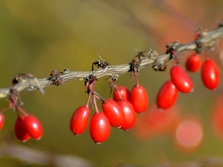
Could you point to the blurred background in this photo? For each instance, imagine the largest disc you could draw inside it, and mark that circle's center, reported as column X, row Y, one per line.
column 39, row 36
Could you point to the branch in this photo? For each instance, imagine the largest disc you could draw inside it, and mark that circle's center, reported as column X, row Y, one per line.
column 33, row 156
column 206, row 41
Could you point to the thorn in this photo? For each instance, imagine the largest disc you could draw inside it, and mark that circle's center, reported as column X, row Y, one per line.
column 136, row 50
column 38, row 85
column 99, row 56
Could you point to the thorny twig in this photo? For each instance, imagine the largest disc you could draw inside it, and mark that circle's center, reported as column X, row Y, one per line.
column 208, row 40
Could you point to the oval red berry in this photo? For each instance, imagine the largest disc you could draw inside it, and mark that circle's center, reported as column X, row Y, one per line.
column 121, row 93
column 167, row 95
column 194, row 62
column 113, row 112
column 209, row 74
column 79, row 120
column 33, row 127
column 181, row 80
column 99, row 127
column 139, row 98
column 129, row 114
column 2, row 118
column 20, row 129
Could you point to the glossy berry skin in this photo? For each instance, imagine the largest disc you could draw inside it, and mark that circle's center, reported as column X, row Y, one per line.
column 194, row 62
column 121, row 93
column 99, row 127
column 33, row 127
column 181, row 80
column 129, row 114
column 2, row 118
column 113, row 112
column 139, row 98
column 20, row 129
column 79, row 120
column 209, row 74
column 167, row 95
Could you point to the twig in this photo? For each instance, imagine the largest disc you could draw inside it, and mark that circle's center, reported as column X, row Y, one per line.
column 33, row 156
column 207, row 41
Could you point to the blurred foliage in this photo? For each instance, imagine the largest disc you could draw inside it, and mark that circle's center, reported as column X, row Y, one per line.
column 39, row 36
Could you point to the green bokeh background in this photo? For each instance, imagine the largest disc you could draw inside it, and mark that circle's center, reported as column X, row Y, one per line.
column 39, row 36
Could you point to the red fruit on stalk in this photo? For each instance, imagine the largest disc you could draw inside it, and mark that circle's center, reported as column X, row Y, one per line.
column 79, row 120
column 20, row 129
column 33, row 127
column 139, row 98
column 181, row 80
column 129, row 114
column 121, row 93
column 194, row 62
column 99, row 127
column 209, row 74
column 167, row 95
column 113, row 112
column 2, row 118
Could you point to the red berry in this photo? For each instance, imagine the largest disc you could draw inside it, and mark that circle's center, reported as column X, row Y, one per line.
column 181, row 80
column 79, row 120
column 99, row 127
column 129, row 114
column 194, row 62
column 209, row 74
column 167, row 95
column 139, row 98
column 2, row 118
column 121, row 93
column 113, row 112
column 33, row 127
column 20, row 129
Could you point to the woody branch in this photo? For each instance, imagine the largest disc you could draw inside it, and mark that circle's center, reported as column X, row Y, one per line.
column 206, row 40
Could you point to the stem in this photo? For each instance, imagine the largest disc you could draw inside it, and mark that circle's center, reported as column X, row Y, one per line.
column 112, row 84
column 210, row 37
column 137, row 79
column 99, row 96
column 95, row 104
column 6, row 108
column 22, row 110
column 88, row 100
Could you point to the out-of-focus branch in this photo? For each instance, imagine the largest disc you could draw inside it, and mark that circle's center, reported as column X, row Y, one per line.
column 34, row 156
column 206, row 41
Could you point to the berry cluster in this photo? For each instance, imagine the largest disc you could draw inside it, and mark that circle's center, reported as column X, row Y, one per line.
column 119, row 112
column 180, row 80
column 26, row 126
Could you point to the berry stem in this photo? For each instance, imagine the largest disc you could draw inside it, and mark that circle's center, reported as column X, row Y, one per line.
column 99, row 96
column 95, row 104
column 137, row 79
column 113, row 84
column 6, row 108
column 22, row 110
column 88, row 100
